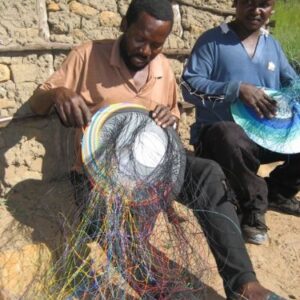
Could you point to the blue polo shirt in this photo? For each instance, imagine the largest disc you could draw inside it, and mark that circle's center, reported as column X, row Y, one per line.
column 217, row 66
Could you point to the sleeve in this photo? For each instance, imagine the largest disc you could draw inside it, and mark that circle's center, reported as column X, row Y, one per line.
column 287, row 74
column 173, row 98
column 197, row 74
column 68, row 75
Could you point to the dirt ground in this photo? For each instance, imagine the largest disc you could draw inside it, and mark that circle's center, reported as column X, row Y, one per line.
column 277, row 263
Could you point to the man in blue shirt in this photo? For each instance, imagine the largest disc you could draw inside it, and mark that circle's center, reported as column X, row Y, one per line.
column 228, row 63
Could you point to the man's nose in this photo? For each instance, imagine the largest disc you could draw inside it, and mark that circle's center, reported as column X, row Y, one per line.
column 255, row 10
column 146, row 50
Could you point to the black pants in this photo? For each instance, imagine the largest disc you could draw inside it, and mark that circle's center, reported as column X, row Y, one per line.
column 240, row 158
column 206, row 192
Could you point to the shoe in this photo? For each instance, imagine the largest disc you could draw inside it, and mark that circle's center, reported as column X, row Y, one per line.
column 254, row 291
column 270, row 296
column 279, row 203
column 254, row 229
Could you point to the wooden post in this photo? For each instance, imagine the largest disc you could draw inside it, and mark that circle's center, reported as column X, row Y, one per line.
column 48, row 46
column 41, row 9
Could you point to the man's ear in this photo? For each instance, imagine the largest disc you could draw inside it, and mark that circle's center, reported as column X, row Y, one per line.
column 124, row 25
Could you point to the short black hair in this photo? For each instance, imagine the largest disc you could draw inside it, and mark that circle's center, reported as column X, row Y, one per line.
column 159, row 9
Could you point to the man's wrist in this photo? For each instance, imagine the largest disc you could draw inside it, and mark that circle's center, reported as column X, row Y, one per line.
column 232, row 91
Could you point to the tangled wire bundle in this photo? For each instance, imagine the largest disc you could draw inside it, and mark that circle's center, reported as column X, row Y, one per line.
column 135, row 170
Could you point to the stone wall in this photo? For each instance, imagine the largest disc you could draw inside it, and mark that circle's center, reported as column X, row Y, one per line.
column 35, row 37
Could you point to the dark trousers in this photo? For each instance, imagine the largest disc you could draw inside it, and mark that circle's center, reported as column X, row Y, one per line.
column 240, row 158
column 206, row 192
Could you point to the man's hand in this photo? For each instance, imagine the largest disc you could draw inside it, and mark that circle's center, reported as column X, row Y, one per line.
column 163, row 117
column 71, row 108
column 260, row 102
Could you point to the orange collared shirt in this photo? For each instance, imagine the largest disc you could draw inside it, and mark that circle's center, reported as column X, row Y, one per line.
column 96, row 72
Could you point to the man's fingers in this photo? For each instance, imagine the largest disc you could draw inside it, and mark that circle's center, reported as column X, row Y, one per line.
column 271, row 103
column 257, row 110
column 267, row 108
column 165, row 120
column 157, row 111
column 78, row 116
column 86, row 114
column 69, row 114
column 163, row 117
column 171, row 121
column 264, row 110
column 164, row 111
column 62, row 115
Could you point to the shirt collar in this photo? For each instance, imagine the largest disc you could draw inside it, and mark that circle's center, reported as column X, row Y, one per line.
column 115, row 57
column 155, row 66
column 225, row 29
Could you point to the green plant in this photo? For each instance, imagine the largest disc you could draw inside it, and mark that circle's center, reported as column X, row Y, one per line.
column 287, row 27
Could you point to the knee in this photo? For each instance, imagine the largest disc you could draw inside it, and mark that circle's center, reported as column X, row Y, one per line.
column 206, row 169
column 227, row 132
column 226, row 136
column 214, row 170
column 208, row 183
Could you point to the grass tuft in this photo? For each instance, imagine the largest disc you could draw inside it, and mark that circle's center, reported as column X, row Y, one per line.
column 287, row 29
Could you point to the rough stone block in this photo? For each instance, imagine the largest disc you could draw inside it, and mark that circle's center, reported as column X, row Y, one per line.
column 45, row 60
column 26, row 35
column 32, row 260
column 5, row 58
column 79, row 36
column 82, row 10
column 176, row 66
column 221, row 4
column 30, row 59
column 61, row 38
column 90, row 24
column 174, row 42
column 36, row 165
column 15, row 60
column 177, row 28
column 24, row 90
column 5, row 104
column 60, row 22
column 4, row 113
column 58, row 60
column 53, row 7
column 104, row 5
column 123, row 6
column 23, row 73
column 45, row 64
column 192, row 17
column 4, row 73
column 109, row 18
column 3, row 92
column 103, row 33
column 7, row 89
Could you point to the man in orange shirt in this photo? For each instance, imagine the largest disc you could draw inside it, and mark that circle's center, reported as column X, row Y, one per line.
column 132, row 69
